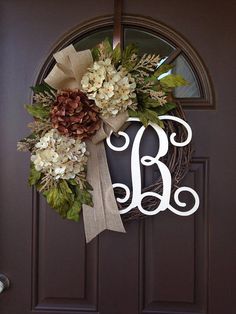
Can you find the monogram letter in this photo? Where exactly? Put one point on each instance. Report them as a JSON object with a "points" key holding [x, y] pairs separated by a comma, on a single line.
{"points": [[137, 195]]}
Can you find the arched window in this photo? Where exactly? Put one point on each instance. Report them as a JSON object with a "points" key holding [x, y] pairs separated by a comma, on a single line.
{"points": [[151, 37]]}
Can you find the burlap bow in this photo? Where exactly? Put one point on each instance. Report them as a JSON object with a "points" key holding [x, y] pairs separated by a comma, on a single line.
{"points": [[67, 73]]}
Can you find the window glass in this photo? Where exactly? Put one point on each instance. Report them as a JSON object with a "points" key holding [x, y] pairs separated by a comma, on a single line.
{"points": [[91, 40], [183, 68], [147, 42]]}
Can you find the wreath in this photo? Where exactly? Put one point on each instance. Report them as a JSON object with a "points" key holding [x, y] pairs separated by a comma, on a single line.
{"points": [[85, 96]]}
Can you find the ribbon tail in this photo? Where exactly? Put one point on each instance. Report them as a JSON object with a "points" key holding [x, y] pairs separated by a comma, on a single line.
{"points": [[105, 214]]}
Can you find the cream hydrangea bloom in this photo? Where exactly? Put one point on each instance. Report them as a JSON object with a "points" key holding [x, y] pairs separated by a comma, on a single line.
{"points": [[58, 156], [112, 90]]}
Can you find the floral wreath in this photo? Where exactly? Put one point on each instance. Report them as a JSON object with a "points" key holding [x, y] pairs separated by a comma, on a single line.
{"points": [[85, 96]]}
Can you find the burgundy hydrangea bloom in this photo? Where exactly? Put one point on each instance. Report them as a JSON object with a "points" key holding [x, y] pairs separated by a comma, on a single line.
{"points": [[75, 115]]}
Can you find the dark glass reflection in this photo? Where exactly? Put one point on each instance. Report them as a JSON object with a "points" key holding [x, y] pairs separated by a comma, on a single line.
{"points": [[147, 42], [93, 39]]}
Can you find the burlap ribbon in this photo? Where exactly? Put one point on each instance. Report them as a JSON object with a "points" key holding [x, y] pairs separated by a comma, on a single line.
{"points": [[67, 73]]}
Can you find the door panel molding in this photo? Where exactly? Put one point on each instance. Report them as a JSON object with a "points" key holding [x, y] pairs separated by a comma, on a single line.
{"points": [[59, 264], [174, 255]]}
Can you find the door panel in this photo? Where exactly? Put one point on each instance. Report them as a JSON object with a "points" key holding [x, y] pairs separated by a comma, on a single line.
{"points": [[174, 255], [65, 269], [165, 264]]}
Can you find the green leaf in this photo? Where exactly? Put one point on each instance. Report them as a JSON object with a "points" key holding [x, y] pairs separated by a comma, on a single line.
{"points": [[172, 81], [160, 109], [132, 113], [165, 108], [43, 88], [143, 119], [31, 136], [129, 50], [140, 115], [127, 57], [116, 55], [105, 48], [38, 111], [162, 69], [67, 192], [64, 187], [145, 116], [74, 211], [72, 182], [151, 103], [88, 186], [84, 196], [57, 200], [67, 199], [61, 198], [152, 116], [95, 53], [34, 175]]}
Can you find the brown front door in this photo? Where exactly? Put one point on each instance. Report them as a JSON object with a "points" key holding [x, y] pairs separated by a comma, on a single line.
{"points": [[165, 264]]}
